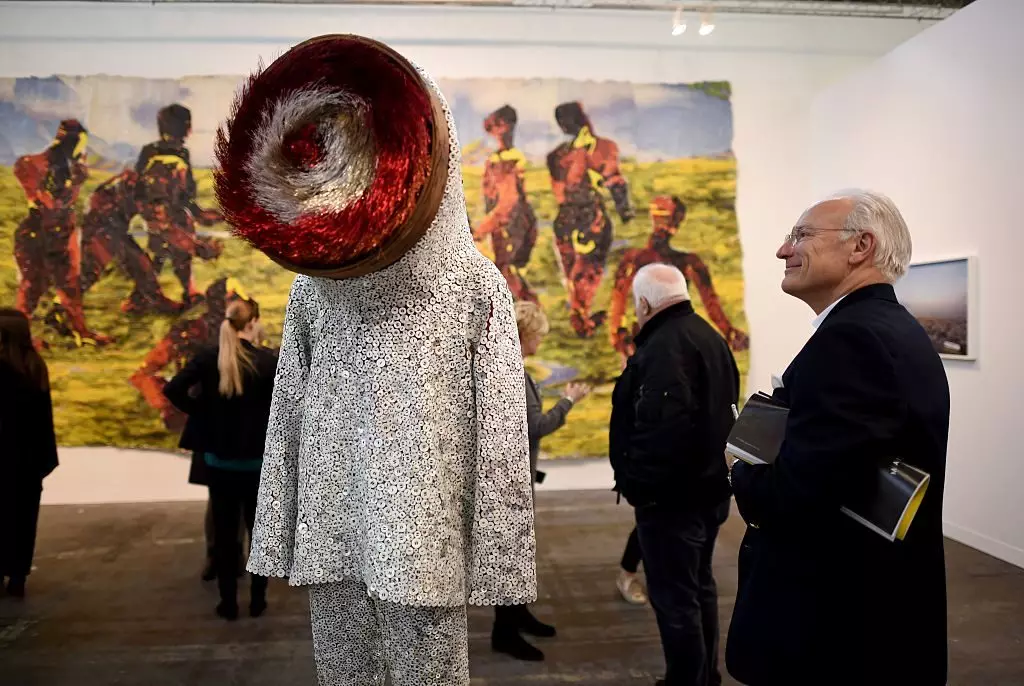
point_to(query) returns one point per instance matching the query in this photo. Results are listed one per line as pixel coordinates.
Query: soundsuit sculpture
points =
(396, 477)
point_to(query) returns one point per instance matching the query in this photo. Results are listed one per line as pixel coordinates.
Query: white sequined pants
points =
(361, 641)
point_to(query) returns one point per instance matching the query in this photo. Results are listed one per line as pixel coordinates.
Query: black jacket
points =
(28, 446)
(540, 423)
(230, 428)
(672, 412)
(821, 599)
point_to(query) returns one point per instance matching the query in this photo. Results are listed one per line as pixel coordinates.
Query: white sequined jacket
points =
(397, 449)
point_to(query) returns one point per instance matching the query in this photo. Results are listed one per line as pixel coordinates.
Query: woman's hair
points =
(530, 319)
(17, 351)
(232, 355)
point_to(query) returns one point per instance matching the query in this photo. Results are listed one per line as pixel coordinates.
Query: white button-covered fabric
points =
(397, 450)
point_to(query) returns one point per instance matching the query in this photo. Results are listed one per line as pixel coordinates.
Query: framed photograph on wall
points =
(942, 296)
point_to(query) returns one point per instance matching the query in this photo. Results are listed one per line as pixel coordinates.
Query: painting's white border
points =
(972, 303)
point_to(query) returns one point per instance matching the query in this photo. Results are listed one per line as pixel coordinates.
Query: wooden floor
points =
(116, 599)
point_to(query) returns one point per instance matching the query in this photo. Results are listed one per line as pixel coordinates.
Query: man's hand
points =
(576, 391)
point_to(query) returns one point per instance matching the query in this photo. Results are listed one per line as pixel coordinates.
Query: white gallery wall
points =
(775, 65)
(936, 124)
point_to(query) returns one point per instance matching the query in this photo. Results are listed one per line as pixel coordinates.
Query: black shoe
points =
(533, 626)
(511, 643)
(257, 606)
(16, 587)
(228, 611)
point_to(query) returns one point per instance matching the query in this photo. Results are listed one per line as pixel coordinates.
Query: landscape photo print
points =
(110, 237)
(941, 296)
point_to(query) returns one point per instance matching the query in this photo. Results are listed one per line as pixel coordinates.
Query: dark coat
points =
(28, 445)
(672, 412)
(540, 423)
(821, 598)
(230, 428)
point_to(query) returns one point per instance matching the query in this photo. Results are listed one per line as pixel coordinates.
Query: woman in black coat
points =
(226, 391)
(28, 447)
(510, 620)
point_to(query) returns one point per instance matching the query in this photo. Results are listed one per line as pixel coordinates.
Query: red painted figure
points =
(106, 239)
(583, 230)
(46, 243)
(167, 198)
(510, 221)
(666, 216)
(186, 337)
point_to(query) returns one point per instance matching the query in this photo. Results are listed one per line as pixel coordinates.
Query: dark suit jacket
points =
(231, 428)
(821, 599)
(539, 422)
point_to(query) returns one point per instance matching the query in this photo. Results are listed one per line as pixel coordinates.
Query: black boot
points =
(258, 596)
(533, 626)
(228, 610)
(508, 641)
(16, 587)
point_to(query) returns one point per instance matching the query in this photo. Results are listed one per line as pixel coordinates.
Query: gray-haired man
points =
(671, 415)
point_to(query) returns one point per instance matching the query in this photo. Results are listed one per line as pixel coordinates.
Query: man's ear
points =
(863, 248)
(642, 306)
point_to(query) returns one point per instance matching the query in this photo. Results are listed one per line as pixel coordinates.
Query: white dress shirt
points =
(824, 313)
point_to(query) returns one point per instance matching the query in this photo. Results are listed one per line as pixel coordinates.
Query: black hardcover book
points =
(757, 434)
(887, 507)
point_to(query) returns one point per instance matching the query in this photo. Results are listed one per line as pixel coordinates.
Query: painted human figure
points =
(47, 242)
(106, 239)
(667, 213)
(186, 337)
(167, 199)
(510, 221)
(579, 169)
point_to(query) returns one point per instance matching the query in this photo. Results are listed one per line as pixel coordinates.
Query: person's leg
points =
(210, 533)
(250, 482)
(23, 541)
(226, 501)
(672, 544)
(631, 555)
(425, 646)
(709, 593)
(347, 638)
(627, 583)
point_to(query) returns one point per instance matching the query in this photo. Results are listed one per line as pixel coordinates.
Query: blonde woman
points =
(226, 391)
(510, 620)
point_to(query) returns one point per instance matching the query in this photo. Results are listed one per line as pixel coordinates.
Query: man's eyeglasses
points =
(800, 233)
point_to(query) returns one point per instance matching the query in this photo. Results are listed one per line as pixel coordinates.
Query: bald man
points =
(671, 415)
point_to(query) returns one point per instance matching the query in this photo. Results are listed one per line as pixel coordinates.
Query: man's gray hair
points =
(659, 284)
(877, 214)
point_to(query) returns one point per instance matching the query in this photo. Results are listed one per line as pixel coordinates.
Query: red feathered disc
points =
(334, 158)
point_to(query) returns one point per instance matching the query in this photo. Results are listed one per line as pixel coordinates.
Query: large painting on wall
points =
(942, 297)
(111, 240)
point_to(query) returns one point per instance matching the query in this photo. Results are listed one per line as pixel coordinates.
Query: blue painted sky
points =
(648, 121)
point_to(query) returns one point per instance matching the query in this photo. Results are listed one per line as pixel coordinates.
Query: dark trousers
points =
(631, 555)
(677, 549)
(233, 495)
(19, 518)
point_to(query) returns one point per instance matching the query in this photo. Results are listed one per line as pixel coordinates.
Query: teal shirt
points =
(232, 465)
